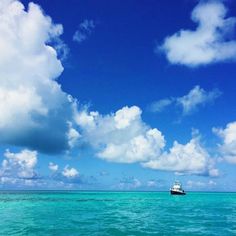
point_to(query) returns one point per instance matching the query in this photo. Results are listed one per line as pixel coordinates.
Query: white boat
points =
(176, 189)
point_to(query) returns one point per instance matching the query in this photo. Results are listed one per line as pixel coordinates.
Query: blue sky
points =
(112, 95)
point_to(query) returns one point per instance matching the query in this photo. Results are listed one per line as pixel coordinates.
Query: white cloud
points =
(209, 43)
(123, 137)
(190, 102)
(213, 172)
(151, 183)
(73, 135)
(19, 165)
(125, 116)
(139, 148)
(228, 146)
(52, 166)
(195, 98)
(85, 29)
(31, 101)
(19, 183)
(160, 105)
(69, 172)
(190, 158)
(200, 184)
(137, 183)
(120, 137)
(86, 120)
(128, 183)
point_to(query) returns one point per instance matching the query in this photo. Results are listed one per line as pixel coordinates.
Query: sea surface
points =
(116, 213)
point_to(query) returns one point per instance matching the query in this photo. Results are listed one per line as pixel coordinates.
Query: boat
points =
(176, 189)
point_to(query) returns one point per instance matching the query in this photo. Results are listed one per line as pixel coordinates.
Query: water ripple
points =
(110, 213)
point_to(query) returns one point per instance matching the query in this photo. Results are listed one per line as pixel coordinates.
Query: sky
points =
(120, 96)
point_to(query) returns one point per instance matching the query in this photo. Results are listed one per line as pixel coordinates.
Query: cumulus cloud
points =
(73, 135)
(189, 158)
(31, 100)
(19, 165)
(85, 29)
(209, 43)
(70, 172)
(18, 170)
(122, 136)
(228, 146)
(52, 166)
(189, 103)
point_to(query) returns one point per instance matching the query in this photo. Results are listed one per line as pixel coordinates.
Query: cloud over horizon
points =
(123, 137)
(19, 165)
(189, 158)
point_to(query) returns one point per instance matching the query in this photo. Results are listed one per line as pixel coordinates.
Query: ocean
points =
(116, 213)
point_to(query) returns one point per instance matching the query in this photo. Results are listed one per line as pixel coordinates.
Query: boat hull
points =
(172, 192)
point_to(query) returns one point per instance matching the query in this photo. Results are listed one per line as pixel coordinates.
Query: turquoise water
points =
(117, 213)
